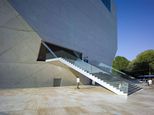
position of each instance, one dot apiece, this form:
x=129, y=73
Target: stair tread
x=110, y=80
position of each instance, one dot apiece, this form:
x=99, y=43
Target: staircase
x=113, y=83
x=132, y=88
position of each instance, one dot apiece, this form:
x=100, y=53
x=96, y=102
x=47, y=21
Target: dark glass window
x=107, y=3
x=49, y=51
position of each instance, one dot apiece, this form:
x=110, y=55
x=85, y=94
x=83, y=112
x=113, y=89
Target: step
x=104, y=79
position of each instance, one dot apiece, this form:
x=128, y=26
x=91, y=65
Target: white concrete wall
x=21, y=75
x=18, y=42
x=19, y=47
x=83, y=25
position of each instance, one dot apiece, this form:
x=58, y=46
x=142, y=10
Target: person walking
x=150, y=82
x=78, y=82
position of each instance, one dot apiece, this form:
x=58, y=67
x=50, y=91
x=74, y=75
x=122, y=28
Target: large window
x=49, y=51
x=107, y=3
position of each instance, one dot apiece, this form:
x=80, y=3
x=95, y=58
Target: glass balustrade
x=104, y=73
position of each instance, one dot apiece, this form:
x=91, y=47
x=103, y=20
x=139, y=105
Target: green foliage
x=146, y=56
x=120, y=63
x=152, y=66
x=143, y=64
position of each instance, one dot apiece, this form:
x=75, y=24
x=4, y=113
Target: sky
x=135, y=21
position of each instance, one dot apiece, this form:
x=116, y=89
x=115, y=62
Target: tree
x=152, y=67
x=143, y=64
x=120, y=63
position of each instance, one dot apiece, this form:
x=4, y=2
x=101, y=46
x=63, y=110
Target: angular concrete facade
x=19, y=48
x=86, y=26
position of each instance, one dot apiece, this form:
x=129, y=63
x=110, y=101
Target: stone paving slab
x=88, y=100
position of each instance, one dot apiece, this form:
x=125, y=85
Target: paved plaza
x=88, y=100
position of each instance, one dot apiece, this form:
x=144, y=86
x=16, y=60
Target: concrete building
x=86, y=26
x=50, y=42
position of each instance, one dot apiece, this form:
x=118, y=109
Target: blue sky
x=135, y=27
